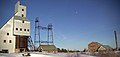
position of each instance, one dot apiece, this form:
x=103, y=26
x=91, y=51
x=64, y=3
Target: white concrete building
x=14, y=34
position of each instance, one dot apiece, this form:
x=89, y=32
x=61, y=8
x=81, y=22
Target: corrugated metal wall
x=21, y=42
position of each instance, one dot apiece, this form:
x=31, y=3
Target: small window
x=22, y=15
x=22, y=21
x=16, y=28
x=7, y=33
x=22, y=9
x=27, y=29
x=10, y=41
x=4, y=41
x=20, y=29
x=24, y=29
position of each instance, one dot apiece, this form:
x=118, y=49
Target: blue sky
x=75, y=22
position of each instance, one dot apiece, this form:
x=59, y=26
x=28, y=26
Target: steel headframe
x=37, y=37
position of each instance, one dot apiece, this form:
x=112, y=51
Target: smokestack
x=116, y=41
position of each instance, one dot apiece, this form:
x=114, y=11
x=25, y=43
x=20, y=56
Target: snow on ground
x=39, y=54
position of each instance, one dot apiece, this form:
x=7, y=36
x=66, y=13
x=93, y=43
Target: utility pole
x=116, y=40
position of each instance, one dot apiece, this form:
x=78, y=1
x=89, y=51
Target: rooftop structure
x=48, y=48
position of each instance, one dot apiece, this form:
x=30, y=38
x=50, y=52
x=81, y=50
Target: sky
x=76, y=23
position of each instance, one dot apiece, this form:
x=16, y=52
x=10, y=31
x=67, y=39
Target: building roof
x=15, y=17
x=107, y=47
x=5, y=21
x=96, y=43
x=20, y=18
x=47, y=47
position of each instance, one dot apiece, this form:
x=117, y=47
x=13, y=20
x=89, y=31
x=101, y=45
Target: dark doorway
x=21, y=43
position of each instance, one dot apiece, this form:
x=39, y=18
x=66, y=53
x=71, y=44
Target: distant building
x=93, y=46
x=97, y=47
x=48, y=48
x=14, y=34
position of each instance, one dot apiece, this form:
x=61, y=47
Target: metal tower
x=37, y=33
x=37, y=37
x=30, y=43
x=50, y=34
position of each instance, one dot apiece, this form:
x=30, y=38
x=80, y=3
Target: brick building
x=97, y=47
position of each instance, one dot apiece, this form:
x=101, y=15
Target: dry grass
x=109, y=54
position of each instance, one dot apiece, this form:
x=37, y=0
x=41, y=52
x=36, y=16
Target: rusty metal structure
x=21, y=43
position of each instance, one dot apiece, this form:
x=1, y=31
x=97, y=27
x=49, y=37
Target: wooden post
x=116, y=41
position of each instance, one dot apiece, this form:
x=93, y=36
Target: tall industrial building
x=15, y=33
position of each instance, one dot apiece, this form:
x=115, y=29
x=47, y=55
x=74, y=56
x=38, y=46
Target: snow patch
x=40, y=54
